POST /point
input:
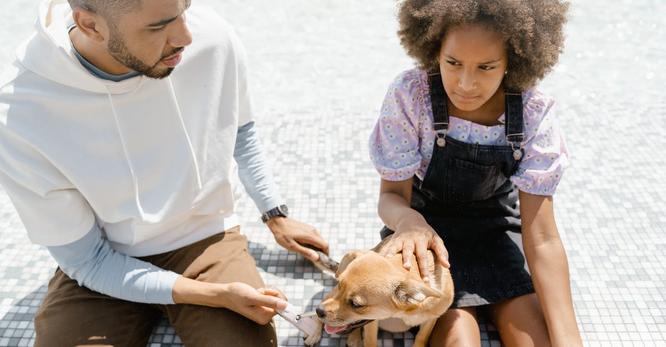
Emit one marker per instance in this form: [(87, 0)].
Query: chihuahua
[(378, 292)]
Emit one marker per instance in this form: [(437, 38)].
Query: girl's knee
[(457, 327), (520, 322)]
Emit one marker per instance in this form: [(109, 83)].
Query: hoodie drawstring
[(135, 180), (187, 136)]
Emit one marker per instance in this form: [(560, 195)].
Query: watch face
[(283, 209)]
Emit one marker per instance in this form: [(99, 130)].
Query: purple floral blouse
[(401, 143)]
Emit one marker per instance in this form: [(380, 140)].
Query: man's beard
[(119, 51)]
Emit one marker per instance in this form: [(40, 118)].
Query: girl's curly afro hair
[(533, 30)]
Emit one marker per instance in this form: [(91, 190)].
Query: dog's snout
[(320, 312)]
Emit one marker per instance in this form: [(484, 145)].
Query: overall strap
[(440, 111), (513, 107)]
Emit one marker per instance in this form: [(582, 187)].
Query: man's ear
[(346, 260), (90, 24), (413, 292)]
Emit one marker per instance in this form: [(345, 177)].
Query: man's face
[(151, 39)]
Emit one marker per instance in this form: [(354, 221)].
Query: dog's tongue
[(334, 330)]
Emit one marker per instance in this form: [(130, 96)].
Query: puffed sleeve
[(546, 156), (394, 142)]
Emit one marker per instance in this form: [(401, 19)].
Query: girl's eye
[(486, 67), (451, 62), (157, 29)]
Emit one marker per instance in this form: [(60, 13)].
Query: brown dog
[(378, 292)]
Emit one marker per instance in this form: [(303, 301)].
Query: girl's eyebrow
[(484, 63)]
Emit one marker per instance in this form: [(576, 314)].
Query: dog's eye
[(354, 304)]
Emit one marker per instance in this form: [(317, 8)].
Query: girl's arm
[(548, 264), (413, 235)]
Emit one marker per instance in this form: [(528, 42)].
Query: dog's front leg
[(312, 340), (370, 332), (355, 338), (422, 337)]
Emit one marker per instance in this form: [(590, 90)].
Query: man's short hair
[(106, 8)]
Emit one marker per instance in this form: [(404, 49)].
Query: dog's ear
[(348, 258), (413, 292)]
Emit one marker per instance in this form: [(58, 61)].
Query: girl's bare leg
[(456, 328), (520, 322)]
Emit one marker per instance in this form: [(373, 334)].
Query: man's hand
[(294, 235), (259, 305)]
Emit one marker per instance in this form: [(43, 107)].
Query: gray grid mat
[(319, 70)]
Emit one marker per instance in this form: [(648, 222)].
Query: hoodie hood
[(151, 158), (144, 113), (51, 39)]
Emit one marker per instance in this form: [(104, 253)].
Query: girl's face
[(472, 61)]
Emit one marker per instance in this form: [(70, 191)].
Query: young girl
[(467, 151)]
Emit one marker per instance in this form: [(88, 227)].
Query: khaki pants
[(71, 315)]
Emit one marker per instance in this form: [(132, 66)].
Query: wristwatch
[(281, 211)]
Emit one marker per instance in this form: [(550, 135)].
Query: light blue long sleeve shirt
[(94, 264)]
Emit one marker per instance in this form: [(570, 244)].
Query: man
[(120, 126)]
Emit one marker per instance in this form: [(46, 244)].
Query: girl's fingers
[(441, 252), (422, 260), (407, 252), (391, 248)]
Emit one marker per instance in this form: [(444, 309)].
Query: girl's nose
[(467, 81)]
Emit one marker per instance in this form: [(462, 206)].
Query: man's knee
[(80, 317), (79, 331)]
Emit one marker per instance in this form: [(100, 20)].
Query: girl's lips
[(465, 98), (173, 60)]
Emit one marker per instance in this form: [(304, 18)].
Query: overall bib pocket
[(469, 181)]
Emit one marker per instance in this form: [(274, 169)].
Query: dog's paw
[(355, 338), (313, 339)]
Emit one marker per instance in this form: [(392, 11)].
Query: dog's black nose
[(320, 312)]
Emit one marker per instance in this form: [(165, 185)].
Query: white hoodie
[(150, 161)]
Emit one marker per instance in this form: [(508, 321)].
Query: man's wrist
[(189, 291), (278, 211)]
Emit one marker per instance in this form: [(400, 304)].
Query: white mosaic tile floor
[(319, 73)]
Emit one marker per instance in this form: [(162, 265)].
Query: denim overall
[(467, 198)]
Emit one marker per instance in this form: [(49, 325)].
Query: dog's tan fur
[(385, 292)]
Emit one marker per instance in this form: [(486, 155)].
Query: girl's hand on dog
[(417, 239), (293, 235)]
